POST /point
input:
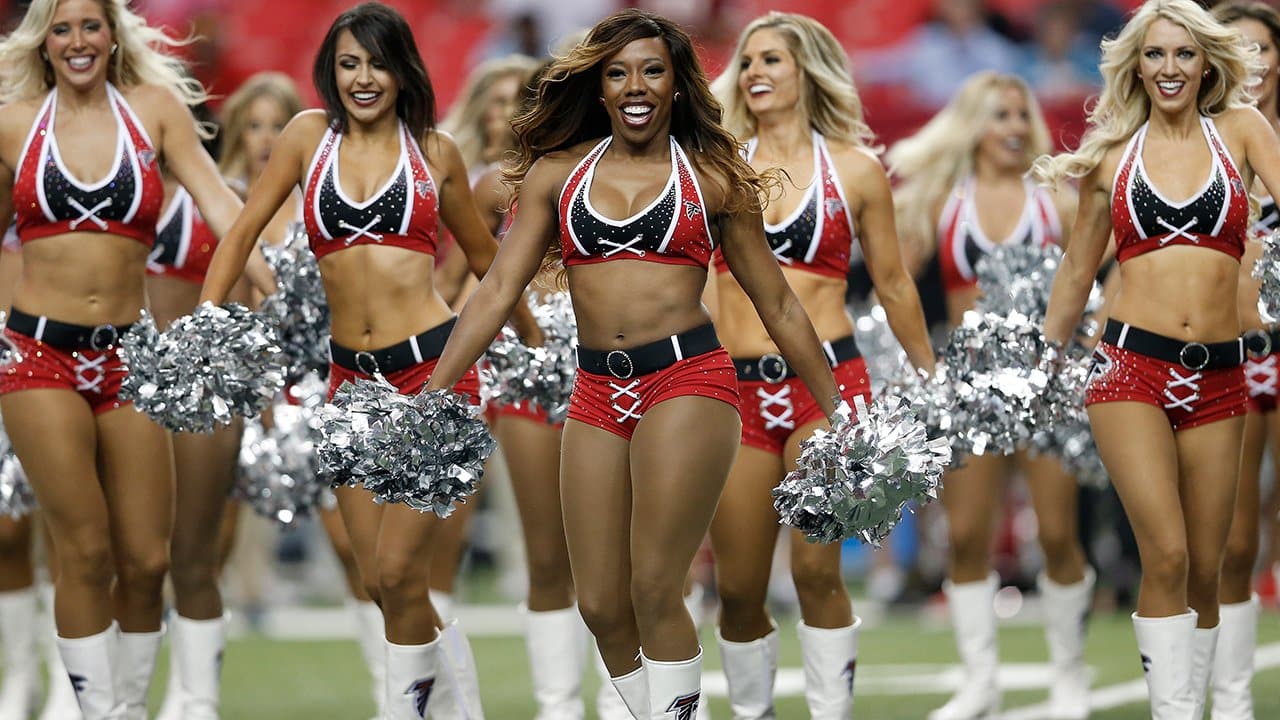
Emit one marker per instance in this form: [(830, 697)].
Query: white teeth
[(1013, 143), (80, 63), (1170, 86), (365, 96), (759, 88), (636, 110)]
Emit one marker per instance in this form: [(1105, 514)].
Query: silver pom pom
[(886, 360), (9, 353), (855, 480), (1062, 424), (514, 372), (17, 499), (1267, 269), (299, 306), (208, 366), (280, 473), (426, 450), (1018, 278)]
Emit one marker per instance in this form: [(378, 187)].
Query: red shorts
[(1188, 397), (1261, 377), (95, 374), (524, 410), (771, 412), (616, 405), (409, 380)]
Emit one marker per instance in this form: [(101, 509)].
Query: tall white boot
[(610, 699), (557, 653), (443, 603), (90, 662), (1233, 663), (973, 619), (199, 653), (830, 660), (135, 663), (1204, 643), (60, 702), (1066, 609), (412, 680), (371, 636), (18, 638), (458, 689), (174, 700), (1165, 647), (675, 688), (750, 668)]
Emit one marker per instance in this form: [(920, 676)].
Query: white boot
[(1204, 643), (458, 689), (750, 668), (174, 700), (830, 660), (973, 619), (371, 636), (60, 703), (135, 663), (675, 688), (1165, 647), (1233, 663), (610, 703), (90, 661), (696, 606), (198, 649), (18, 637), (411, 679), (1066, 608), (443, 603), (557, 652)]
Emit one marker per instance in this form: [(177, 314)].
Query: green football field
[(906, 666)]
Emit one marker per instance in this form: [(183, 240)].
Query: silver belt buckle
[(774, 360), (630, 367), (96, 341), (1190, 363), (363, 357), (1257, 343)]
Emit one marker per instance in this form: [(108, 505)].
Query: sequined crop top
[(1216, 217), (49, 200), (403, 213), (184, 243), (672, 229), (962, 243)]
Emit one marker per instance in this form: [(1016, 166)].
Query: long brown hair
[(1258, 11)]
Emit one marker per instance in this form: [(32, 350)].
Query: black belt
[(67, 336), (652, 357), (773, 368), (1190, 355), (405, 354)]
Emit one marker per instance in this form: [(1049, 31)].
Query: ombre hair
[(465, 120), (235, 116), (930, 163), (140, 57), (828, 96), (1123, 104)]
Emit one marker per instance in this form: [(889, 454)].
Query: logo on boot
[(848, 672), (421, 692), (686, 706), (1146, 663), (78, 682)]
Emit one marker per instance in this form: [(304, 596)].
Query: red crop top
[(1216, 217), (962, 243), (672, 229), (404, 213), (49, 200)]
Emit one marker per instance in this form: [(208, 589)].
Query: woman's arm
[(513, 268), (272, 188), (878, 235), (1089, 239), (756, 269)]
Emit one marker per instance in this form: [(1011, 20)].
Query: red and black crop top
[(403, 213), (1216, 217), (672, 229), (962, 243), (184, 243), (49, 200)]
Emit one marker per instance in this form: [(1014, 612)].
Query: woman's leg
[(371, 633), (447, 553), (362, 518), (17, 619)]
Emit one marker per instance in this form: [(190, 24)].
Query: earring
[(676, 97), (113, 48), (601, 98)]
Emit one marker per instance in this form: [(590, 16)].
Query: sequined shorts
[(772, 411), (1261, 378), (1188, 397), (617, 404), (523, 410), (95, 374)]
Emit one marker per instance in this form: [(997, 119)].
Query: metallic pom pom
[(426, 450), (1019, 278), (855, 480), (9, 354), (513, 372), (299, 306), (280, 473), (208, 366), (1267, 269), (16, 496), (886, 360), (1062, 424)]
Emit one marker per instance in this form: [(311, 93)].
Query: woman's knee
[(1166, 565), (816, 578), (144, 567), (1240, 555), (1057, 539), (400, 575), (85, 557), (655, 593), (604, 612)]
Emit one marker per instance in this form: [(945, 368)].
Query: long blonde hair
[(940, 155), (465, 120), (1123, 105), (827, 93), (235, 116), (140, 56)]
